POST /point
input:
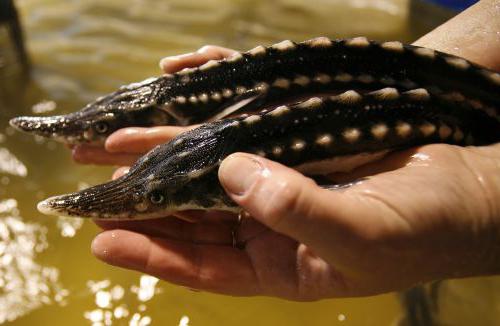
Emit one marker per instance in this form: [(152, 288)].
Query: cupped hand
[(426, 213), (433, 214)]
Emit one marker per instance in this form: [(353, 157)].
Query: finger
[(120, 172), (136, 140), (98, 155), (209, 52), (213, 268), (205, 230), (288, 202)]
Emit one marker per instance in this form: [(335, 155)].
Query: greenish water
[(83, 49)]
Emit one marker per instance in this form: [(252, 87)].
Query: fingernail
[(238, 173)]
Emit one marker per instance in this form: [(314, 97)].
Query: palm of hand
[(379, 230)]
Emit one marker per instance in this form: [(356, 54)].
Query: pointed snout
[(41, 126), (62, 128), (114, 200)]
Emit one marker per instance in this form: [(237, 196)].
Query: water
[(83, 49)]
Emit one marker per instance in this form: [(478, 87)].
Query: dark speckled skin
[(266, 76), (182, 174)]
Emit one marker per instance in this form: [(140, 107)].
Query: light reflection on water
[(110, 302), (25, 284)]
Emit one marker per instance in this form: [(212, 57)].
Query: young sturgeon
[(262, 77), (182, 174)]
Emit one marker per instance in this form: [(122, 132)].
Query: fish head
[(176, 176), (132, 105)]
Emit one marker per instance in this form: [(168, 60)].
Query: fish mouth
[(114, 200)]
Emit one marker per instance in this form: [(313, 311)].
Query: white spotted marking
[(209, 65), (458, 135), (227, 92), (344, 78), (216, 96), (319, 42), (252, 119), (425, 53), (311, 103), (235, 57), (394, 46), (322, 78), (302, 80), (240, 90), (282, 83), (183, 154), (193, 99), (458, 63), (324, 140), (403, 129), (427, 129), (444, 131), (379, 131), (284, 45), (262, 87), (279, 111), (351, 135), (298, 145), (234, 124), (349, 97), (257, 51), (277, 150), (203, 97), (386, 94), (358, 42), (185, 79), (418, 94), (180, 99)]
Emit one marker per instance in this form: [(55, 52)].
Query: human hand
[(433, 214), (424, 214)]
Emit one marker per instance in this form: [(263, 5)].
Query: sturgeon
[(267, 76), (319, 106), (316, 137)]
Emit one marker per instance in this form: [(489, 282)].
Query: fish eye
[(101, 127), (156, 198)]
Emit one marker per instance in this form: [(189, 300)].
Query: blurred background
[(81, 49)]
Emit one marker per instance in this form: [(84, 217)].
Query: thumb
[(283, 199)]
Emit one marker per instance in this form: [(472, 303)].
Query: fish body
[(266, 76), (313, 136)]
